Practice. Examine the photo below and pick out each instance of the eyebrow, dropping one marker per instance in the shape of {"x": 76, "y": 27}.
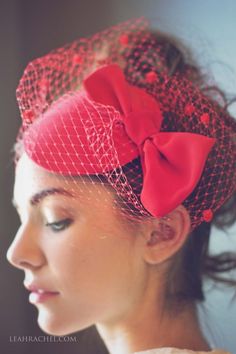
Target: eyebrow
{"x": 38, "y": 197}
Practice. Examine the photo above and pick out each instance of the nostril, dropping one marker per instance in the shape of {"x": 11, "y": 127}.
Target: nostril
{"x": 25, "y": 256}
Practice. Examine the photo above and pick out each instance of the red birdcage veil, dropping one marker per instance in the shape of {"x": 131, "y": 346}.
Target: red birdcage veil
{"x": 108, "y": 108}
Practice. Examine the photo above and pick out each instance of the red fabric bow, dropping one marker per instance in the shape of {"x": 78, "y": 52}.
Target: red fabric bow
{"x": 172, "y": 162}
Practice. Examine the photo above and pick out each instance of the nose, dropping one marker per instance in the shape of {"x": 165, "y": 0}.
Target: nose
{"x": 25, "y": 252}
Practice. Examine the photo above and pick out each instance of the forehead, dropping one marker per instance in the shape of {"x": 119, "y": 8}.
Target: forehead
{"x": 31, "y": 179}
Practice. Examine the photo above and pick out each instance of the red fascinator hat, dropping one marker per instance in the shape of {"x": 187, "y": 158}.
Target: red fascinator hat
{"x": 107, "y": 106}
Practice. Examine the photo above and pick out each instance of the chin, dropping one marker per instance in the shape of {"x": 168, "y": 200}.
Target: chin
{"x": 55, "y": 326}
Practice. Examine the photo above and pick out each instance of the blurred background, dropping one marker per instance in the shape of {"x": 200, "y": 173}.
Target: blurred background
{"x": 29, "y": 29}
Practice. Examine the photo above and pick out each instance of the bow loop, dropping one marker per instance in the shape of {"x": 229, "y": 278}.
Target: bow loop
{"x": 108, "y": 86}
{"x": 172, "y": 166}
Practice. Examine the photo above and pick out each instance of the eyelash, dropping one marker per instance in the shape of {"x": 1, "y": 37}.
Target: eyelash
{"x": 60, "y": 225}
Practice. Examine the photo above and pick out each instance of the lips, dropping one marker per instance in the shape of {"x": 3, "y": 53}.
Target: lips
{"x": 40, "y": 294}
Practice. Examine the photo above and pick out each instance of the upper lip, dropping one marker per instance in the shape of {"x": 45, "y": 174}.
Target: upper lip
{"x": 38, "y": 288}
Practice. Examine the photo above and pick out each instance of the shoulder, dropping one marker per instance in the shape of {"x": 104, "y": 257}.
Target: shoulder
{"x": 179, "y": 351}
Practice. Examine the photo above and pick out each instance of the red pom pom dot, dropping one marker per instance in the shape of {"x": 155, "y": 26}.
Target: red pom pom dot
{"x": 28, "y": 116}
{"x": 205, "y": 118}
{"x": 189, "y": 109}
{"x": 124, "y": 39}
{"x": 207, "y": 215}
{"x": 77, "y": 59}
{"x": 151, "y": 77}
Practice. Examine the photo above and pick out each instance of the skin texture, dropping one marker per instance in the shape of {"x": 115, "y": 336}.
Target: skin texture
{"x": 106, "y": 271}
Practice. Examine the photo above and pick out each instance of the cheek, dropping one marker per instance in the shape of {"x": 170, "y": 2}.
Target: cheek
{"x": 98, "y": 278}
{"x": 96, "y": 261}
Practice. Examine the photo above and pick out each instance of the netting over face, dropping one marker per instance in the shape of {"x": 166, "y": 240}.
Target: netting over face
{"x": 69, "y": 132}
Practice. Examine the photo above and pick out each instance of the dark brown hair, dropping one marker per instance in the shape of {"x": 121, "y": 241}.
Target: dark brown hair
{"x": 194, "y": 261}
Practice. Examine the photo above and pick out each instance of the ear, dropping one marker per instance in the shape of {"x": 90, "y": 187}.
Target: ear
{"x": 165, "y": 236}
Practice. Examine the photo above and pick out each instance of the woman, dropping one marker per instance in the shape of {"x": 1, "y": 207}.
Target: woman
{"x": 123, "y": 162}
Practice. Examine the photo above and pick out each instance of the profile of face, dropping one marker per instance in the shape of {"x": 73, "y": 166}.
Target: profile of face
{"x": 72, "y": 244}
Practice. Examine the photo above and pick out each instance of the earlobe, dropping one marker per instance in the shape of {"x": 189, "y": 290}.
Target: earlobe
{"x": 166, "y": 236}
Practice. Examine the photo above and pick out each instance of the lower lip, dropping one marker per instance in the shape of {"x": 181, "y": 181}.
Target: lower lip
{"x": 35, "y": 297}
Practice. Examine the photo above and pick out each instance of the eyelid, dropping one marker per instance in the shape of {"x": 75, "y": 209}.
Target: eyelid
{"x": 41, "y": 216}
{"x": 62, "y": 223}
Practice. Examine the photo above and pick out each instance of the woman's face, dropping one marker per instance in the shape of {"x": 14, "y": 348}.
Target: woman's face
{"x": 72, "y": 242}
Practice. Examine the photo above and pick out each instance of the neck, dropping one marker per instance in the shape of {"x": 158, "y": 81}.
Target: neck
{"x": 148, "y": 329}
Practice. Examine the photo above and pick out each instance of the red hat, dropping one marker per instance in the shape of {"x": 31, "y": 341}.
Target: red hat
{"x": 97, "y": 105}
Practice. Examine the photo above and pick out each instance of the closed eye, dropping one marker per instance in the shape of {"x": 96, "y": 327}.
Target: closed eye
{"x": 60, "y": 225}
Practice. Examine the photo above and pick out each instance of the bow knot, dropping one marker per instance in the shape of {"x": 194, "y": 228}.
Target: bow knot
{"x": 172, "y": 162}
{"x": 142, "y": 125}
